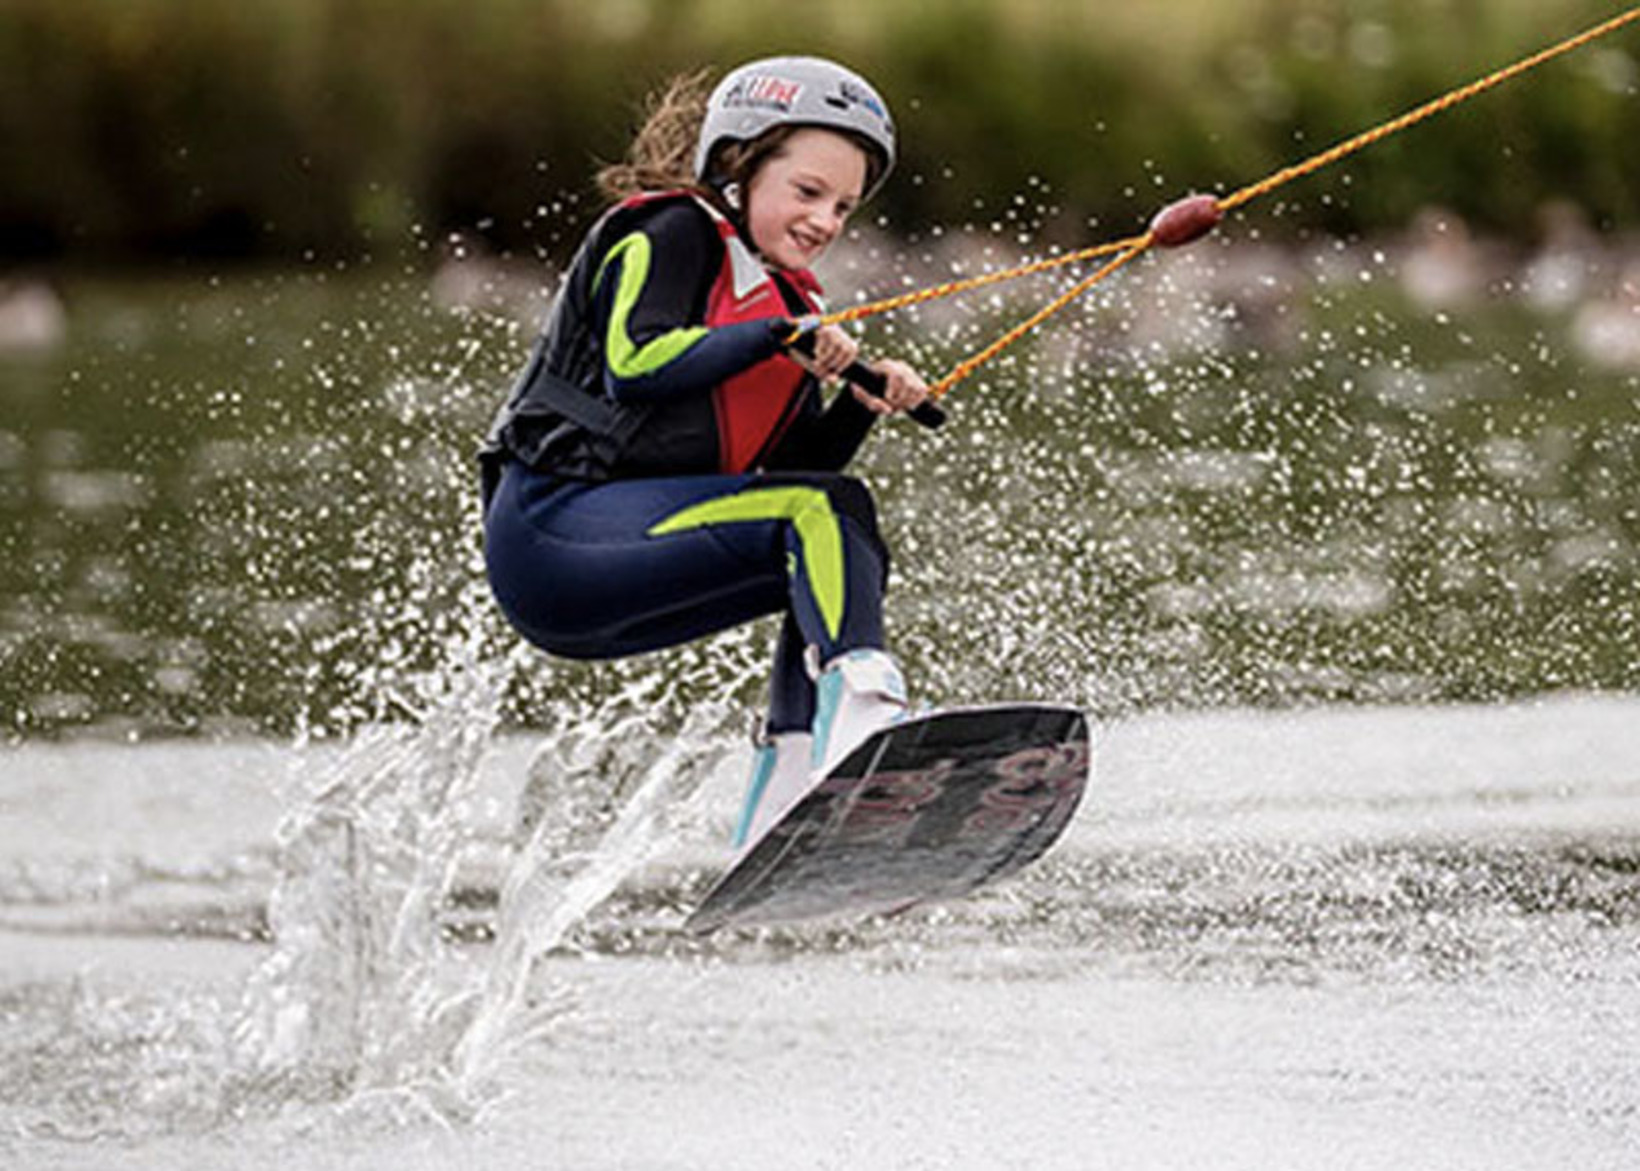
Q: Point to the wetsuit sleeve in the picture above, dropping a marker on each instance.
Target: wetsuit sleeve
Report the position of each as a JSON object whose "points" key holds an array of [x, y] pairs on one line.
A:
{"points": [[648, 299], [824, 441]]}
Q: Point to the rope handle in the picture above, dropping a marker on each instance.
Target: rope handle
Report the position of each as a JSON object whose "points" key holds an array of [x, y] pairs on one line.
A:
{"points": [[929, 413]]}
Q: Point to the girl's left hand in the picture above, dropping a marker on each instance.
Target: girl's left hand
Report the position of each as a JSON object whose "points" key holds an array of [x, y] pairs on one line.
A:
{"points": [[905, 389], [834, 350]]}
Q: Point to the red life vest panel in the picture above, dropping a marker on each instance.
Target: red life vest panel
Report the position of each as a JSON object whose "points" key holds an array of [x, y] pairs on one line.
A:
{"points": [[754, 406]]}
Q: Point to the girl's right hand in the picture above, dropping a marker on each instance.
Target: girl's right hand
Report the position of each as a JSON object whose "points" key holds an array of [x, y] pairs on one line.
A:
{"points": [[905, 390]]}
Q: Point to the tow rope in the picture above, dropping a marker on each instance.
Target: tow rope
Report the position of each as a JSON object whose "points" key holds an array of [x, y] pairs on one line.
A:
{"points": [[1193, 217]]}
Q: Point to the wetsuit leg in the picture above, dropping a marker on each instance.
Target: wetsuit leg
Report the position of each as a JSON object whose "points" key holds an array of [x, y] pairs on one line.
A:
{"points": [[608, 570], [791, 691]]}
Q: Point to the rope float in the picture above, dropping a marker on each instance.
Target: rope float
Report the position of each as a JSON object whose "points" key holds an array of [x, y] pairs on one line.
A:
{"points": [[1193, 217]]}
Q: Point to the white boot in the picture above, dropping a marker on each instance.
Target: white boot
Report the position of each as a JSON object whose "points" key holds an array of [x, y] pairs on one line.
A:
{"points": [[857, 694], [781, 770]]}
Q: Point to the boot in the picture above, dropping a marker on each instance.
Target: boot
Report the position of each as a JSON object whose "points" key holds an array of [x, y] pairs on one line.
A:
{"points": [[857, 694], [781, 770]]}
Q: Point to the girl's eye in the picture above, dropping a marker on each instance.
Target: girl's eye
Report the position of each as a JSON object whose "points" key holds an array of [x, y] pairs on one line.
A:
{"points": [[808, 192]]}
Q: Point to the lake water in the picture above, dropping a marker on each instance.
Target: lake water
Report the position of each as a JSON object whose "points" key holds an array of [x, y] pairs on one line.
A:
{"points": [[304, 860], [1367, 939], [246, 502]]}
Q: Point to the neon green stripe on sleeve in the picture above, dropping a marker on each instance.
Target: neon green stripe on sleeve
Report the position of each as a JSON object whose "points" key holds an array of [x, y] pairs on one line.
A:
{"points": [[626, 358]]}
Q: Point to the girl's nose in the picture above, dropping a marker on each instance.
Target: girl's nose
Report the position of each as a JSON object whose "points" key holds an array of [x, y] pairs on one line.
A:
{"points": [[829, 222]]}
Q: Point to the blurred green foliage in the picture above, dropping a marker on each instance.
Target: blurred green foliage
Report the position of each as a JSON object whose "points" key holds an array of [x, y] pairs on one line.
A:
{"points": [[152, 127]]}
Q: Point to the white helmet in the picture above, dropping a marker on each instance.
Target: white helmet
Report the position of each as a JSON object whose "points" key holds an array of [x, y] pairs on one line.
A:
{"points": [[794, 91]]}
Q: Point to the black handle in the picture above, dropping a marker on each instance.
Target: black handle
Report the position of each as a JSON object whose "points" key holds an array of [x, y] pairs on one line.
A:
{"points": [[928, 412]]}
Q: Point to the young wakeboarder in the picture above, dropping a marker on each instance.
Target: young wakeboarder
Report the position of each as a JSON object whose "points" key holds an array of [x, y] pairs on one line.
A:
{"points": [[665, 467]]}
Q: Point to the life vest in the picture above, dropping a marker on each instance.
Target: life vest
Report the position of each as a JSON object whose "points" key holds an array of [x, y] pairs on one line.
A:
{"points": [[754, 406], [558, 418]]}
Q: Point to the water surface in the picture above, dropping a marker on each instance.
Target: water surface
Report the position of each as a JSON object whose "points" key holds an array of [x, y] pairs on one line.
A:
{"points": [[1364, 938]]}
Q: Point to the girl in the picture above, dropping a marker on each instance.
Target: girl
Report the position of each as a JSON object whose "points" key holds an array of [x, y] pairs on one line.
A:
{"points": [[664, 468]]}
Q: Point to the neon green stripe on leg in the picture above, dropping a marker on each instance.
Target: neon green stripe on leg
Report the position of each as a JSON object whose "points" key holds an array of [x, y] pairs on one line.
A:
{"points": [[809, 512]]}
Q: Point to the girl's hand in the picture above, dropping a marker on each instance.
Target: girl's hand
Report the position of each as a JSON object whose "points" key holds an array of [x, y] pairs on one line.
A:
{"points": [[833, 351], [904, 391]]}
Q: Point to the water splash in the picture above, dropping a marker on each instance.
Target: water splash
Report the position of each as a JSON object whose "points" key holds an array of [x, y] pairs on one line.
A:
{"points": [[579, 852], [367, 1003], [359, 990]]}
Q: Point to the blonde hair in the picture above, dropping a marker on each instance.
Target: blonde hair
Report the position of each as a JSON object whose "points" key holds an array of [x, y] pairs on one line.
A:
{"points": [[662, 154]]}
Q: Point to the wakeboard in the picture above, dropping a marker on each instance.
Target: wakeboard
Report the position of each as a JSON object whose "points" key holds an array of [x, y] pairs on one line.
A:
{"points": [[931, 808]]}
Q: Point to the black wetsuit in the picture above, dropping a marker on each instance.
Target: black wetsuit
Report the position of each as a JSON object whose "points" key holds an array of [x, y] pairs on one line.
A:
{"points": [[611, 524]]}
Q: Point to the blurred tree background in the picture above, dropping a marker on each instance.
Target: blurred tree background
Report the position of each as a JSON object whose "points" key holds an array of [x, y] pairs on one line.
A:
{"points": [[138, 129]]}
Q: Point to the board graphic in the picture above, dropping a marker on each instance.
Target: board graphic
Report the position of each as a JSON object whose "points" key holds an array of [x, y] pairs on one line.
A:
{"points": [[931, 808]]}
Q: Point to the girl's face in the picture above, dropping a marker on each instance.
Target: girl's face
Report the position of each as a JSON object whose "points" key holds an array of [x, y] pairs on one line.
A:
{"points": [[800, 198]]}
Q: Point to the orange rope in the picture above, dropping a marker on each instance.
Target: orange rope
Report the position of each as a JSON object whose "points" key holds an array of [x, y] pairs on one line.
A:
{"points": [[967, 284], [1131, 248], [968, 365]]}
